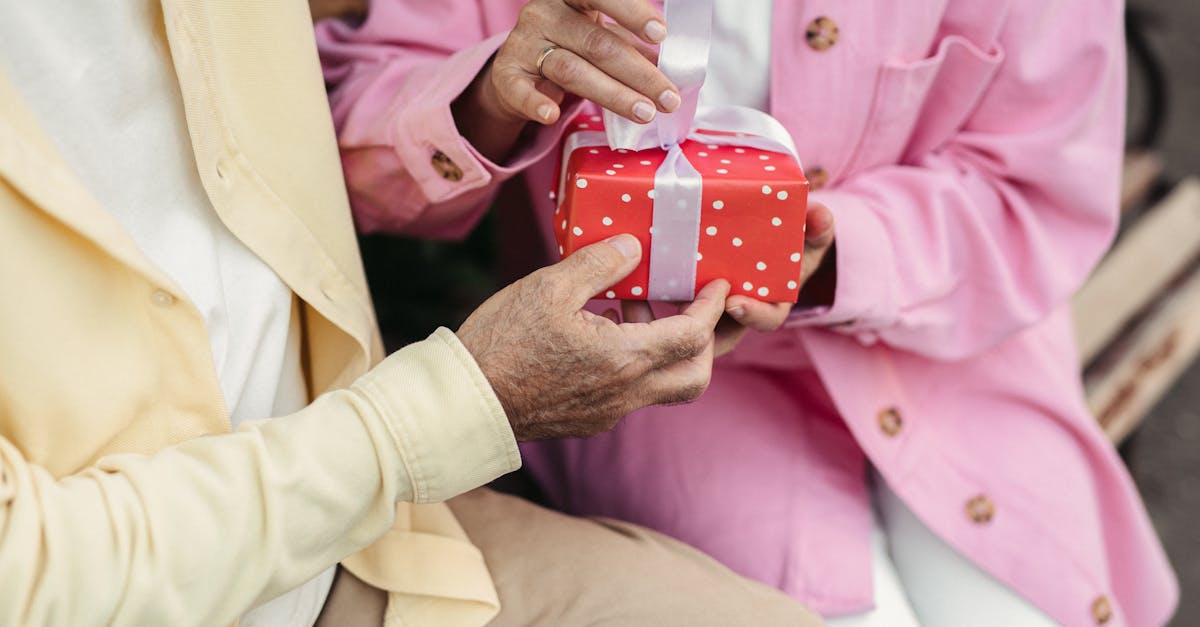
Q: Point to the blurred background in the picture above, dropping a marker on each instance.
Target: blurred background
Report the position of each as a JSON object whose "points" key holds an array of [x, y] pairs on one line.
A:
{"points": [[1164, 451], [1138, 317]]}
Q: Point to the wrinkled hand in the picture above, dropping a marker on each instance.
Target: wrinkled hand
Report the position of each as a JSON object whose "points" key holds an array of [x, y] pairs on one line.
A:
{"points": [[746, 313], [561, 371], [609, 64]]}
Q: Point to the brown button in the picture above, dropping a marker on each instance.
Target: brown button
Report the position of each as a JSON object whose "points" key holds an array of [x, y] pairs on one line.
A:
{"points": [[817, 178], [822, 33], [446, 166], [1101, 610], [890, 421], [980, 509]]}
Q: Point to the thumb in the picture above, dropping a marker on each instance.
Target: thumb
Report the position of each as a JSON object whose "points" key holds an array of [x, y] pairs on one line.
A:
{"points": [[596, 267], [709, 304]]}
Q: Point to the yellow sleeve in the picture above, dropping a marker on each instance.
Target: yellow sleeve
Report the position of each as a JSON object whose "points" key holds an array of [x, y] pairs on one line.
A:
{"points": [[199, 532]]}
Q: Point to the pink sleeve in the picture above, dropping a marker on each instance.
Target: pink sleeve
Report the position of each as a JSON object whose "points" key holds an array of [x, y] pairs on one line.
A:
{"points": [[952, 251], [392, 80]]}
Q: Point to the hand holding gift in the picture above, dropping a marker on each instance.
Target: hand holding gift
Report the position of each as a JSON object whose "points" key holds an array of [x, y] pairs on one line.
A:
{"points": [[750, 313], [567, 46], [713, 194]]}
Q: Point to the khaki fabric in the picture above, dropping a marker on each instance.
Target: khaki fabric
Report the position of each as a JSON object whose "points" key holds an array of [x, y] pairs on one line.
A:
{"points": [[553, 570]]}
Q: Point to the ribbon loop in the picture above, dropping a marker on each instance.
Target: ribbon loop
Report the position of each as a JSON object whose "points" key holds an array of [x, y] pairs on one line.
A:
{"points": [[683, 58], [678, 186]]}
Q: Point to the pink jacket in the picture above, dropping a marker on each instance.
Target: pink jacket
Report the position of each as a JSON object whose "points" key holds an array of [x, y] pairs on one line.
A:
{"points": [[973, 152]]}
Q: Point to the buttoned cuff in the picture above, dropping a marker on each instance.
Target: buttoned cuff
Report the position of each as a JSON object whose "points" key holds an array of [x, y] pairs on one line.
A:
{"points": [[864, 297], [448, 425], [433, 150]]}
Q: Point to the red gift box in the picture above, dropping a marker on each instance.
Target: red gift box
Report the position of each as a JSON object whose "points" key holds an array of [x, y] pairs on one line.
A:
{"points": [[753, 205]]}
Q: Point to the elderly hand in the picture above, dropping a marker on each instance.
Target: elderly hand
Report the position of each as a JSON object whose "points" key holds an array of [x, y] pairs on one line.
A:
{"points": [[745, 313], [566, 46], [748, 313], [561, 371]]}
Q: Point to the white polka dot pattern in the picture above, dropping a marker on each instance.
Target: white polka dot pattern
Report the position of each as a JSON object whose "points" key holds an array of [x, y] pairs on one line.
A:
{"points": [[751, 224]]}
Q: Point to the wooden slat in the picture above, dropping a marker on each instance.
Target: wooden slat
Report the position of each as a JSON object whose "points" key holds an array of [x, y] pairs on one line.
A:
{"points": [[322, 9], [1142, 170], [1147, 360], [1154, 251]]}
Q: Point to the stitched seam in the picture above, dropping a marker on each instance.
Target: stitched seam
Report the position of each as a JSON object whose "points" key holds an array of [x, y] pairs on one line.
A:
{"points": [[484, 393], [410, 465]]}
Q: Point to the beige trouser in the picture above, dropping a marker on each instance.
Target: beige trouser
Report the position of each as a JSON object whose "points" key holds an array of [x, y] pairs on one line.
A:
{"points": [[553, 570]]}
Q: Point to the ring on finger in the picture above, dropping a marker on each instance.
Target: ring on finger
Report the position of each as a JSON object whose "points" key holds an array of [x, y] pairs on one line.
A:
{"points": [[541, 58]]}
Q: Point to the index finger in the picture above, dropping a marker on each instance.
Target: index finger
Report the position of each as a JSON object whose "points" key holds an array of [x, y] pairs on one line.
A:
{"points": [[635, 15], [675, 338]]}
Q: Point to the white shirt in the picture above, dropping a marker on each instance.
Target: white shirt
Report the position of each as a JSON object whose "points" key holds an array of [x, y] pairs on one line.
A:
{"points": [[100, 78], [739, 60]]}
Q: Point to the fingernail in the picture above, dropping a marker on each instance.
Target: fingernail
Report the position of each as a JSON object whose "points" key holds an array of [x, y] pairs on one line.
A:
{"points": [[643, 111], [737, 312], [628, 245], [669, 100], [656, 31], [544, 112]]}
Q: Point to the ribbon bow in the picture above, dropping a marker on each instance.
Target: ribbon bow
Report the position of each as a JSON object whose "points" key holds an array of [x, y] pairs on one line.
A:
{"points": [[683, 58]]}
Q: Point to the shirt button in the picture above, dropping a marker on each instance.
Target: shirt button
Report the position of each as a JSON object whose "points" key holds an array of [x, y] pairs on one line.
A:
{"points": [[981, 509], [446, 166], [817, 178], [821, 34], [1101, 610], [162, 298], [890, 421]]}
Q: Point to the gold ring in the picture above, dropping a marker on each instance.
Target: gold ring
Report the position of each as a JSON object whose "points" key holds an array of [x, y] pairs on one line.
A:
{"points": [[542, 58]]}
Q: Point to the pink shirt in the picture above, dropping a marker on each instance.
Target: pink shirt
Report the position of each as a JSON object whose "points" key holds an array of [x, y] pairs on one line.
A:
{"points": [[974, 154]]}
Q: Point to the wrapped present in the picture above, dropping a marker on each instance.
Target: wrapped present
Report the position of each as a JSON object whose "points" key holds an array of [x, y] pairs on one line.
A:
{"points": [[713, 193], [740, 219]]}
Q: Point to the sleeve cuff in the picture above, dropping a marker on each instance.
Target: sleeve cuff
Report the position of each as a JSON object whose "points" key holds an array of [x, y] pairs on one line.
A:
{"points": [[864, 297], [426, 127], [452, 433]]}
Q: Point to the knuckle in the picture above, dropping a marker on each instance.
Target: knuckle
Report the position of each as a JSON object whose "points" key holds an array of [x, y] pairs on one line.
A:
{"points": [[592, 261], [568, 73], [507, 82], [700, 385], [692, 389], [687, 346], [529, 101], [601, 45], [531, 15]]}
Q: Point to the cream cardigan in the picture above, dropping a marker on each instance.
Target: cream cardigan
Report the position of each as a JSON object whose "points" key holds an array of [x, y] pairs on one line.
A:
{"points": [[115, 511]]}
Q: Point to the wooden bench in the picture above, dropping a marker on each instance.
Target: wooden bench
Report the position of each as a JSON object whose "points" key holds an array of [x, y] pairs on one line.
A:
{"points": [[1138, 316]]}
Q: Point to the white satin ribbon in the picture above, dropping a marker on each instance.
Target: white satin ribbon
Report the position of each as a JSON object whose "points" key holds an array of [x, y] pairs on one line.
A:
{"points": [[678, 186]]}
